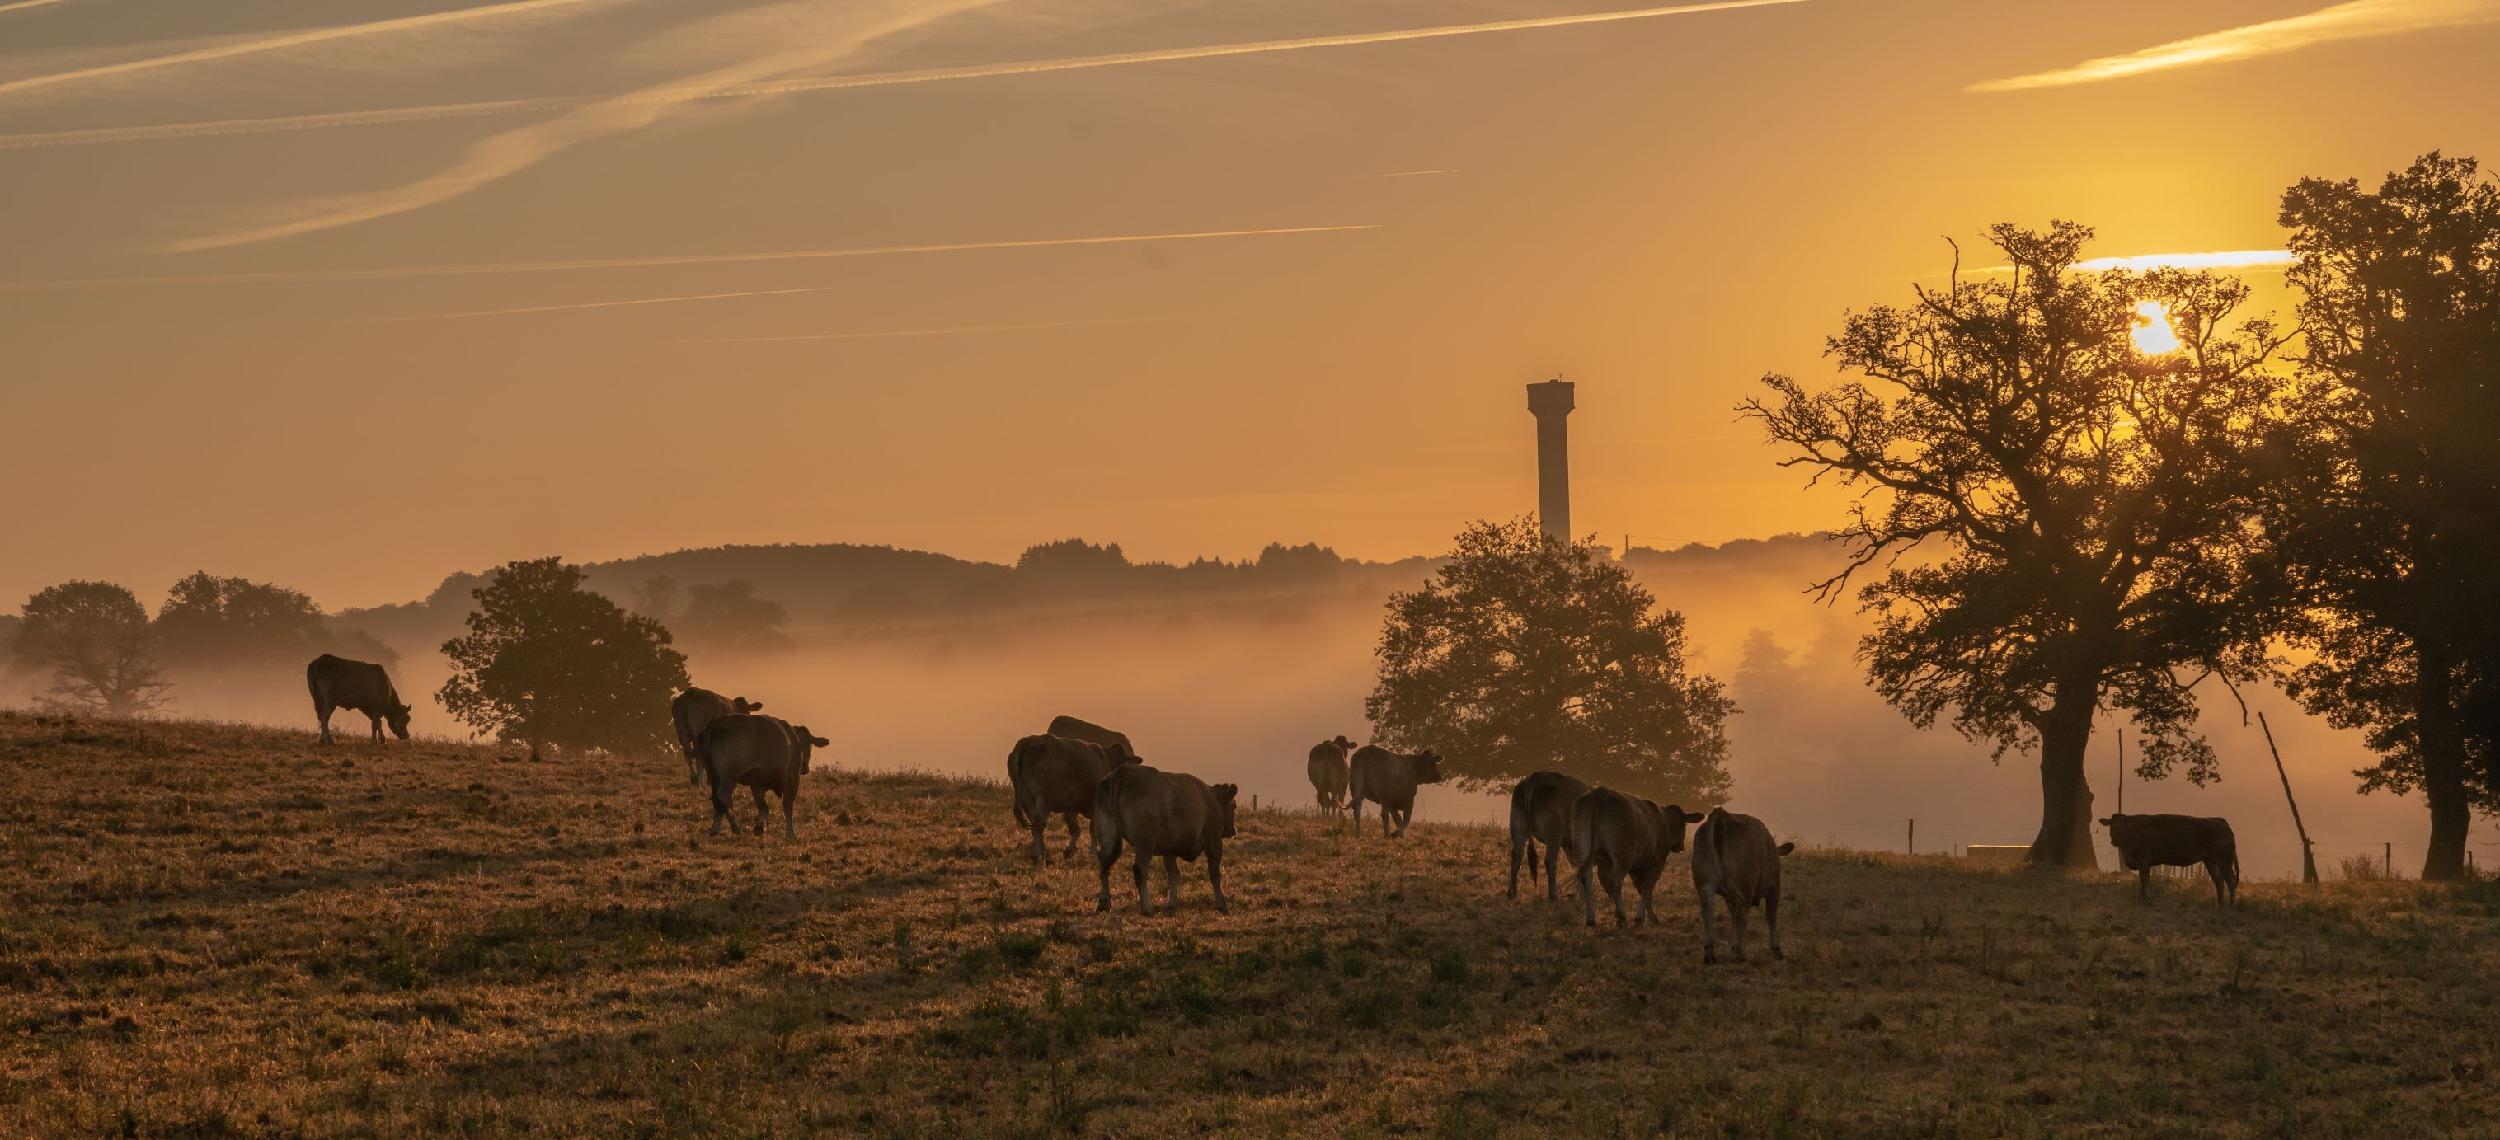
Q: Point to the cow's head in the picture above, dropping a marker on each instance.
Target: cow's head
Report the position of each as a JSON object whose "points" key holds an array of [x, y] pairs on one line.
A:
{"points": [[1427, 766], [1344, 743], [1225, 794], [1677, 820], [743, 705], [806, 743], [1121, 753], [398, 716], [2112, 821]]}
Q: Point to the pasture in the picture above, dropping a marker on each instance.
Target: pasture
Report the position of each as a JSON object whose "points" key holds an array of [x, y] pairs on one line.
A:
{"points": [[224, 931]]}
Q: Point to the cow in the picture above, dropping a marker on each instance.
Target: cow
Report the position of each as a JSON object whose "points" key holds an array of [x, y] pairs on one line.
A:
{"points": [[1055, 775], [695, 708], [338, 683], [1078, 728], [1171, 814], [1328, 773], [2148, 841], [1733, 859], [1540, 812], [764, 753], [1614, 834], [1389, 779]]}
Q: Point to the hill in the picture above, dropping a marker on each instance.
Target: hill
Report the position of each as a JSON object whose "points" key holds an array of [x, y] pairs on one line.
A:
{"points": [[215, 930]]}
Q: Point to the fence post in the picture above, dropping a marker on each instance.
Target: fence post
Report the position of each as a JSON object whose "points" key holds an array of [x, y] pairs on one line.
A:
{"points": [[1914, 837], [2388, 866]]}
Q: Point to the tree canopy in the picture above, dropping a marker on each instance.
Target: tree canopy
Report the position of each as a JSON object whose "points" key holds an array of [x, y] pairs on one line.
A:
{"points": [[1522, 654], [94, 641], [2062, 521], [548, 662]]}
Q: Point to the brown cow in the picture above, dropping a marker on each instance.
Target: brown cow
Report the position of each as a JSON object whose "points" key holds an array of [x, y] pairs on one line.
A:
{"points": [[360, 686], [764, 753], [1540, 812], [1389, 779], [1077, 728], [1614, 834], [695, 708], [1055, 775], [2148, 841], [1733, 859], [1171, 814], [1328, 773]]}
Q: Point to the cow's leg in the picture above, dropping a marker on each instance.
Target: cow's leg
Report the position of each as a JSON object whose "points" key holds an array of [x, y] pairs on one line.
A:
{"points": [[720, 804], [1553, 866], [789, 811], [323, 710], [1171, 881], [1771, 917], [377, 729], [1105, 855], [1145, 905], [1386, 814], [1215, 879], [1357, 804], [1614, 890], [2213, 870], [1737, 912], [1039, 820], [1588, 895], [762, 813], [1647, 881], [1076, 831], [1515, 850], [1405, 815], [2144, 882], [1709, 924]]}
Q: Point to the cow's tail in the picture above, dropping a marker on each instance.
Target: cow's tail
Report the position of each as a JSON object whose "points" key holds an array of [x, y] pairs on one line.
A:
{"points": [[1583, 831], [1519, 828], [1015, 784]]}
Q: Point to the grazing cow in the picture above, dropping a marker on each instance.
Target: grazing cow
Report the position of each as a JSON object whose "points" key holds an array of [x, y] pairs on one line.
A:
{"points": [[1540, 812], [1614, 834], [1327, 769], [1733, 859], [1171, 814], [1078, 728], [338, 683], [763, 753], [695, 708], [2148, 841], [1389, 779], [1055, 775]]}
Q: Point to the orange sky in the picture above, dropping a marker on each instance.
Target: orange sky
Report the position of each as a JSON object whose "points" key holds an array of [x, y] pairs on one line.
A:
{"points": [[226, 349]]}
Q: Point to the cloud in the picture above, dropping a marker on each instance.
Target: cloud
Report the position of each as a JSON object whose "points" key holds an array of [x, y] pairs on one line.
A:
{"points": [[576, 306], [2358, 19], [691, 93], [881, 334], [303, 37], [22, 5], [402, 272], [2223, 259]]}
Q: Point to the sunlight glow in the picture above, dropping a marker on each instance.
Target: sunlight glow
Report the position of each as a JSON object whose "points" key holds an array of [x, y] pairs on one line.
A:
{"points": [[2153, 334]]}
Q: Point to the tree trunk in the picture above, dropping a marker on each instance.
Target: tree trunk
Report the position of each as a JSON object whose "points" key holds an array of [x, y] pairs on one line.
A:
{"points": [[2065, 839], [2442, 744]]}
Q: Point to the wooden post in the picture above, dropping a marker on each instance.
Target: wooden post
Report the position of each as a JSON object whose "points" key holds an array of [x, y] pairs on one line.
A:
{"points": [[2308, 856], [2122, 770], [2388, 866], [1913, 837]]}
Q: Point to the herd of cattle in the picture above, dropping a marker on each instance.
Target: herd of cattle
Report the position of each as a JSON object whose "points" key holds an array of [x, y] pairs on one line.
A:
{"points": [[1083, 772]]}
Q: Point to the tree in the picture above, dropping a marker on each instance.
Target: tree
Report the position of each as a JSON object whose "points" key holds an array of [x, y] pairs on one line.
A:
{"points": [[2066, 523], [93, 637], [546, 661], [1523, 653], [2389, 520], [207, 620], [729, 616], [658, 598]]}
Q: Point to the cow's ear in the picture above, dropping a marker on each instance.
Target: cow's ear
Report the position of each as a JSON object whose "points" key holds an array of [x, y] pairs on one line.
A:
{"points": [[820, 742], [1786, 848], [1226, 792]]}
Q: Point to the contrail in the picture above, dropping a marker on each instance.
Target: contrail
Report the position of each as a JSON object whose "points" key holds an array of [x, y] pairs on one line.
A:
{"points": [[22, 5], [281, 41], [885, 333], [679, 299], [397, 272], [1411, 173], [2358, 19], [844, 82]]}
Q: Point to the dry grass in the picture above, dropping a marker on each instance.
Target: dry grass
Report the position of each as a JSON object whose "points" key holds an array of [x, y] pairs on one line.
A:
{"points": [[227, 931]]}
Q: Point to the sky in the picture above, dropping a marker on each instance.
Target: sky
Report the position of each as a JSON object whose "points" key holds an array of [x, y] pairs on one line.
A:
{"points": [[347, 294]]}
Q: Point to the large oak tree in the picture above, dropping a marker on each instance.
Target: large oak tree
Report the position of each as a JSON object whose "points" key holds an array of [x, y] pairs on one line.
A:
{"points": [[2059, 522]]}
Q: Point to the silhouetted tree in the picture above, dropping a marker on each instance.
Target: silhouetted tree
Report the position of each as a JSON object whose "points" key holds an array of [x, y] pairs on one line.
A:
{"points": [[729, 616], [2090, 507], [212, 620], [94, 640], [547, 661], [1523, 653], [658, 598], [2389, 520], [1072, 564]]}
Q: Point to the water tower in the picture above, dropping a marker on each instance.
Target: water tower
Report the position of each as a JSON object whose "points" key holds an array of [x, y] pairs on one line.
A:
{"points": [[1550, 402]]}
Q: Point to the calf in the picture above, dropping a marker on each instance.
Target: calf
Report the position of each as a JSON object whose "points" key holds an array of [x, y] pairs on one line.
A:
{"points": [[1540, 812], [764, 754], [696, 708], [1733, 859], [1327, 770], [1614, 834], [1171, 814], [338, 683], [1389, 779], [1055, 775], [2148, 841]]}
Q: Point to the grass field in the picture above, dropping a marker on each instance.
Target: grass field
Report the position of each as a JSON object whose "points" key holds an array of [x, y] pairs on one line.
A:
{"points": [[214, 930]]}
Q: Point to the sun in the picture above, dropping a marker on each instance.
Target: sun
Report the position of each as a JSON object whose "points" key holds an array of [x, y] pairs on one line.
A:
{"points": [[2153, 334]]}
